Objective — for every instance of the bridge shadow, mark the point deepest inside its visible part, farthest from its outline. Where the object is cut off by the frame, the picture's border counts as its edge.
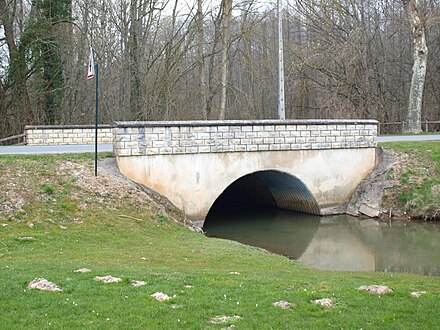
(267, 228)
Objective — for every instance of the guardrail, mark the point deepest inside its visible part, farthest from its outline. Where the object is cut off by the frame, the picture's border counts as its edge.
(21, 139)
(398, 127)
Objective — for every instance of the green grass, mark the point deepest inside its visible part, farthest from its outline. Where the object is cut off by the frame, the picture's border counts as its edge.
(419, 190)
(137, 243)
(109, 244)
(431, 148)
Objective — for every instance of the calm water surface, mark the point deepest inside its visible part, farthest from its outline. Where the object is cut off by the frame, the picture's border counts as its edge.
(336, 242)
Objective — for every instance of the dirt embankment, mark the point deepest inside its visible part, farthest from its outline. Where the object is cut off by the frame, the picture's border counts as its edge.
(388, 192)
(64, 183)
(367, 199)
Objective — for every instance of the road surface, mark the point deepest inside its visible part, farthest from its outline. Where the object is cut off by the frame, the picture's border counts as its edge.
(61, 149)
(80, 148)
(402, 138)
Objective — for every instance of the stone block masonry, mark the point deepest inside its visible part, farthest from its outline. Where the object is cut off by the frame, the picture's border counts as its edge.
(67, 134)
(194, 137)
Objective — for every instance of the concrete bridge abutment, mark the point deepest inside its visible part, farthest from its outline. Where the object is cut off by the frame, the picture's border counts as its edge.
(311, 166)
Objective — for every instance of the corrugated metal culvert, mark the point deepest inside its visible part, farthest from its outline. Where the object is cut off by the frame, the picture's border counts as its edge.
(269, 188)
(288, 191)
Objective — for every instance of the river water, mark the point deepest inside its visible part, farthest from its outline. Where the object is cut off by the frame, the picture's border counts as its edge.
(335, 242)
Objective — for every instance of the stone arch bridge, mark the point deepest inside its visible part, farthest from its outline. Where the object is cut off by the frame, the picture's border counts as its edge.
(311, 166)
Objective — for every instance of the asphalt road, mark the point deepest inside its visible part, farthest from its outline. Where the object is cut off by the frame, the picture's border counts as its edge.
(402, 138)
(81, 148)
(76, 148)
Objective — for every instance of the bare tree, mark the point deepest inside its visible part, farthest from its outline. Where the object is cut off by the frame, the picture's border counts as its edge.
(182, 60)
(227, 11)
(201, 58)
(133, 50)
(420, 54)
(281, 104)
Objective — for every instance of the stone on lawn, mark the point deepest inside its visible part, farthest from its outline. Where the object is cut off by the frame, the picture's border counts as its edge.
(325, 302)
(159, 296)
(224, 319)
(43, 284)
(417, 294)
(282, 304)
(138, 283)
(82, 270)
(108, 279)
(377, 289)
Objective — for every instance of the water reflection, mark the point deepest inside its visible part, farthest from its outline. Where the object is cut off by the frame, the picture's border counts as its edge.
(334, 243)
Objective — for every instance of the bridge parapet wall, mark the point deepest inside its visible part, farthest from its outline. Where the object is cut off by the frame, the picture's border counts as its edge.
(67, 134)
(195, 137)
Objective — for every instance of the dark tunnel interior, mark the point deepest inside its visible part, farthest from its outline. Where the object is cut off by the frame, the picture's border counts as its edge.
(265, 190)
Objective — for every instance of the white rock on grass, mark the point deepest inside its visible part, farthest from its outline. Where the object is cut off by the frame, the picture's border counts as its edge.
(417, 294)
(26, 238)
(159, 296)
(108, 279)
(138, 283)
(282, 304)
(377, 289)
(82, 270)
(225, 319)
(43, 284)
(325, 302)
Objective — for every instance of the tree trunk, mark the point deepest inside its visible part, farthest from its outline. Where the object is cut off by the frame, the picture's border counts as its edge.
(201, 59)
(419, 68)
(167, 79)
(17, 76)
(227, 8)
(135, 82)
(211, 87)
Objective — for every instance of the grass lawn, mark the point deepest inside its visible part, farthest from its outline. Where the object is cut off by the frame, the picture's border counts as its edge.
(78, 221)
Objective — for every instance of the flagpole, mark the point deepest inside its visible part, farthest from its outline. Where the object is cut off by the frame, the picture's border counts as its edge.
(96, 116)
(92, 72)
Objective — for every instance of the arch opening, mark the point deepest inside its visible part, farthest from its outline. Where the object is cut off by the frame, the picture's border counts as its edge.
(266, 189)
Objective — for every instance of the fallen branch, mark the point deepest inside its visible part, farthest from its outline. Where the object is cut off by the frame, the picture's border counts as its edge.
(129, 217)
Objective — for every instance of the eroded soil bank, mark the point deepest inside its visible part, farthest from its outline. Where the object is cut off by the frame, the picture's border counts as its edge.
(405, 185)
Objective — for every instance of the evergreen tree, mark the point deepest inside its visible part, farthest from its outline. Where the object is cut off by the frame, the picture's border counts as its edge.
(43, 40)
